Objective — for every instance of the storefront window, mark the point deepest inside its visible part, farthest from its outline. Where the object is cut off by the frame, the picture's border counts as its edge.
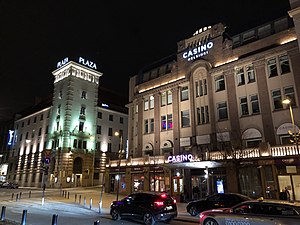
(250, 182)
(138, 182)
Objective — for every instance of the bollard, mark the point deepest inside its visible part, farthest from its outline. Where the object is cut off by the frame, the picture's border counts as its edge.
(17, 197)
(68, 195)
(3, 213)
(97, 222)
(12, 196)
(24, 216)
(91, 203)
(54, 219)
(84, 201)
(20, 195)
(75, 198)
(29, 195)
(79, 199)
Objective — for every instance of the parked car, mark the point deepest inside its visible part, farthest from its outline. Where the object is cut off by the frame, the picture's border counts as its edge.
(10, 185)
(215, 201)
(149, 207)
(254, 212)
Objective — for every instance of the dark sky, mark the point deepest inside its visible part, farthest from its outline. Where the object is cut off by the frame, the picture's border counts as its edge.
(121, 37)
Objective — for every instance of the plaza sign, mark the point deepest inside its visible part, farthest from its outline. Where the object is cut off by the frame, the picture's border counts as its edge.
(180, 158)
(81, 60)
(197, 52)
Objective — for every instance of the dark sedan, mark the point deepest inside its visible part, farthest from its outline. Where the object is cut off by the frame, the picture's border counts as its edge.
(215, 201)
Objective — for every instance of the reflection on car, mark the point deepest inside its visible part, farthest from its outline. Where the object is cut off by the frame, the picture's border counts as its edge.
(10, 185)
(220, 200)
(254, 212)
(147, 206)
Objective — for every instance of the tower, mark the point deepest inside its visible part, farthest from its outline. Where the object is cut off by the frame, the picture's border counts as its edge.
(72, 125)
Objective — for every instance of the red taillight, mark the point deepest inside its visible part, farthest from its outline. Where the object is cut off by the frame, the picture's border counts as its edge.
(174, 200)
(159, 203)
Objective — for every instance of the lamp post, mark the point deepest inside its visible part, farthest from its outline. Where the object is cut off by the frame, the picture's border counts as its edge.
(120, 154)
(294, 133)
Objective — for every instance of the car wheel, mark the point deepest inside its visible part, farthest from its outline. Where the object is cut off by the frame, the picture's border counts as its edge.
(115, 215)
(148, 219)
(210, 222)
(193, 211)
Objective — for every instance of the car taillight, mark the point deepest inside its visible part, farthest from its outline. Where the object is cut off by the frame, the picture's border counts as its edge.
(159, 203)
(163, 195)
(174, 201)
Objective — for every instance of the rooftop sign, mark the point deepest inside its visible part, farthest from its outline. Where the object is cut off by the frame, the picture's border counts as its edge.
(198, 52)
(81, 60)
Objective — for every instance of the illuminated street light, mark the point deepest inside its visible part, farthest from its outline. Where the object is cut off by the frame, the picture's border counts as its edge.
(120, 154)
(294, 133)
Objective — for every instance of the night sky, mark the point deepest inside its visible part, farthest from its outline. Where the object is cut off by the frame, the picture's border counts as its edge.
(121, 37)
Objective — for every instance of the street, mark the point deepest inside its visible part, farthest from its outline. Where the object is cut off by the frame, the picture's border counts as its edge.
(74, 206)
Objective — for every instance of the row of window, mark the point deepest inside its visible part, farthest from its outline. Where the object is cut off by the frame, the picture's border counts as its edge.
(110, 117)
(83, 95)
(41, 118)
(110, 131)
(33, 134)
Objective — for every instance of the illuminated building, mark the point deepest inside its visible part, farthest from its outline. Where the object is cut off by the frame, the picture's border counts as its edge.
(211, 115)
(65, 140)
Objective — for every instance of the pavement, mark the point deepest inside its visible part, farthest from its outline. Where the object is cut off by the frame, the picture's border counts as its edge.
(86, 199)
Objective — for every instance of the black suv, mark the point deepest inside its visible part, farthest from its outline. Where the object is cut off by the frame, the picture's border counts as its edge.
(147, 206)
(215, 201)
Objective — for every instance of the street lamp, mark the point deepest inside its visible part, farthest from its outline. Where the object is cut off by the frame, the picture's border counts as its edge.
(120, 154)
(294, 133)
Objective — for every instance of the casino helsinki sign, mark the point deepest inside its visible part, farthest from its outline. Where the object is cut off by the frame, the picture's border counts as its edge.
(198, 52)
(81, 60)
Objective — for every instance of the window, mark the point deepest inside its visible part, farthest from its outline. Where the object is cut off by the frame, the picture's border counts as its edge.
(108, 147)
(184, 93)
(111, 117)
(34, 120)
(170, 121)
(185, 118)
(60, 94)
(40, 131)
(254, 104)
(121, 120)
(250, 73)
(100, 115)
(146, 104)
(98, 129)
(220, 83)
(28, 122)
(201, 88)
(290, 94)
(272, 67)
(82, 110)
(240, 76)
(206, 114)
(244, 106)
(83, 94)
(222, 111)
(84, 145)
(75, 143)
(81, 125)
(23, 124)
(163, 123)
(202, 115)
(151, 125)
(42, 117)
(163, 99)
(110, 131)
(277, 101)
(284, 64)
(204, 87)
(58, 110)
(146, 126)
(197, 88)
(151, 102)
(169, 97)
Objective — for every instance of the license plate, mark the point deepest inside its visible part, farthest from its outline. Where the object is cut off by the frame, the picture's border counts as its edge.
(169, 207)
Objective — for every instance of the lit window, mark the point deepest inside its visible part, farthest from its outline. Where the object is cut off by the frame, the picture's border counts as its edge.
(163, 99)
(170, 121)
(151, 102)
(250, 73)
(146, 104)
(163, 123)
(83, 94)
(184, 93)
(169, 97)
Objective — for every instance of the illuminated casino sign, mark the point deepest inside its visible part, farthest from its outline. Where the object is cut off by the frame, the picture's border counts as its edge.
(180, 158)
(10, 137)
(197, 52)
(81, 60)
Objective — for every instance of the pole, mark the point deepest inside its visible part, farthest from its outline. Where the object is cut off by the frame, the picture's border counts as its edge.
(294, 128)
(119, 167)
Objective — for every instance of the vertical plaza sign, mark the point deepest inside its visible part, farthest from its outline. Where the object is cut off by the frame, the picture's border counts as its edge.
(81, 60)
(197, 52)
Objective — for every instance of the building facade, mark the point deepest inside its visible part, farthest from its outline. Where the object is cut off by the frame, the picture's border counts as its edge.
(65, 140)
(213, 116)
